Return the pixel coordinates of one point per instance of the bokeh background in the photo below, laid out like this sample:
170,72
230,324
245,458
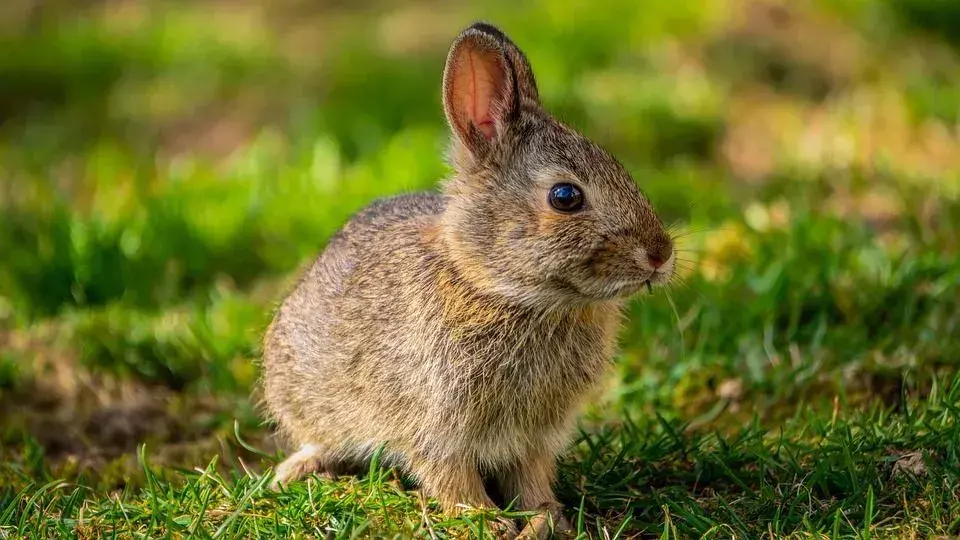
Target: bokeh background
167,168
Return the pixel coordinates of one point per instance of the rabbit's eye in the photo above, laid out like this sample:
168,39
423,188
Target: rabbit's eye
566,197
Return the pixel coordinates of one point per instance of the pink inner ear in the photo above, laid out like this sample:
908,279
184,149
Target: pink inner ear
481,77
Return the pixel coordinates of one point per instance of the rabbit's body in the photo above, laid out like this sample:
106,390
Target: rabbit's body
383,341
463,330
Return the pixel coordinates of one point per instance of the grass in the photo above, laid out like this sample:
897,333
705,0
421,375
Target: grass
162,185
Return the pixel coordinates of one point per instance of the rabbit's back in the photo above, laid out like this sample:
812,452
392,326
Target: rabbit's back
375,226
343,304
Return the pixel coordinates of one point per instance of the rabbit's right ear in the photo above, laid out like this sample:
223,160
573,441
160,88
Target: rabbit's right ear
485,81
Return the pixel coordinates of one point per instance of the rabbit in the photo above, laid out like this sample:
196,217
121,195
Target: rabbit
464,330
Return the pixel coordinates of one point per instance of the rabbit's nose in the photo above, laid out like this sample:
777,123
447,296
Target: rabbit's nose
659,254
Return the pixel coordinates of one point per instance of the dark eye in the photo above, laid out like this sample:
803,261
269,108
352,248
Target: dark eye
566,198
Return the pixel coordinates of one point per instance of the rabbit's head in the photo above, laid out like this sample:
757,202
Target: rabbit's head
536,211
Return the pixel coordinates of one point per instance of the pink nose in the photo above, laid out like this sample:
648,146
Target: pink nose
655,261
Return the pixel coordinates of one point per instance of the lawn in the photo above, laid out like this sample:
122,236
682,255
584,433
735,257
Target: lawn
167,170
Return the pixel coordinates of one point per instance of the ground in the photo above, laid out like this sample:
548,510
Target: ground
167,169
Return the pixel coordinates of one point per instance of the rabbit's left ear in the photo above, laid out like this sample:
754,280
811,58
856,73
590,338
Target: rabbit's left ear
486,80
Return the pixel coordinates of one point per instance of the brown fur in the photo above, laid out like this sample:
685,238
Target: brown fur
464,329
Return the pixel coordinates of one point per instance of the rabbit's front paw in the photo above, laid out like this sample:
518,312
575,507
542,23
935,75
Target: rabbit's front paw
548,523
504,528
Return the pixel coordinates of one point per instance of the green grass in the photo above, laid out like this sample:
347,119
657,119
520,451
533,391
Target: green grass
162,185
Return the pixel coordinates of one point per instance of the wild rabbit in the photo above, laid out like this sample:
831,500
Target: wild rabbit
464,329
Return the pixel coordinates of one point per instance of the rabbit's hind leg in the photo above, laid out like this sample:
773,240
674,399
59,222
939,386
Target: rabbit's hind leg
530,484
310,458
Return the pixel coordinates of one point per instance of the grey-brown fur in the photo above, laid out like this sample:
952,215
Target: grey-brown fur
464,329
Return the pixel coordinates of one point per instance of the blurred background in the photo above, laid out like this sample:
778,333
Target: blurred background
168,167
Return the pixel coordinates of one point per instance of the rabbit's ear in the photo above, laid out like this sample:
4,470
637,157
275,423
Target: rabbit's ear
485,81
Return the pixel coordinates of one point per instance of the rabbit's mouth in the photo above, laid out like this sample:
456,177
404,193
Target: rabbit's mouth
605,289
626,289
661,274
656,278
